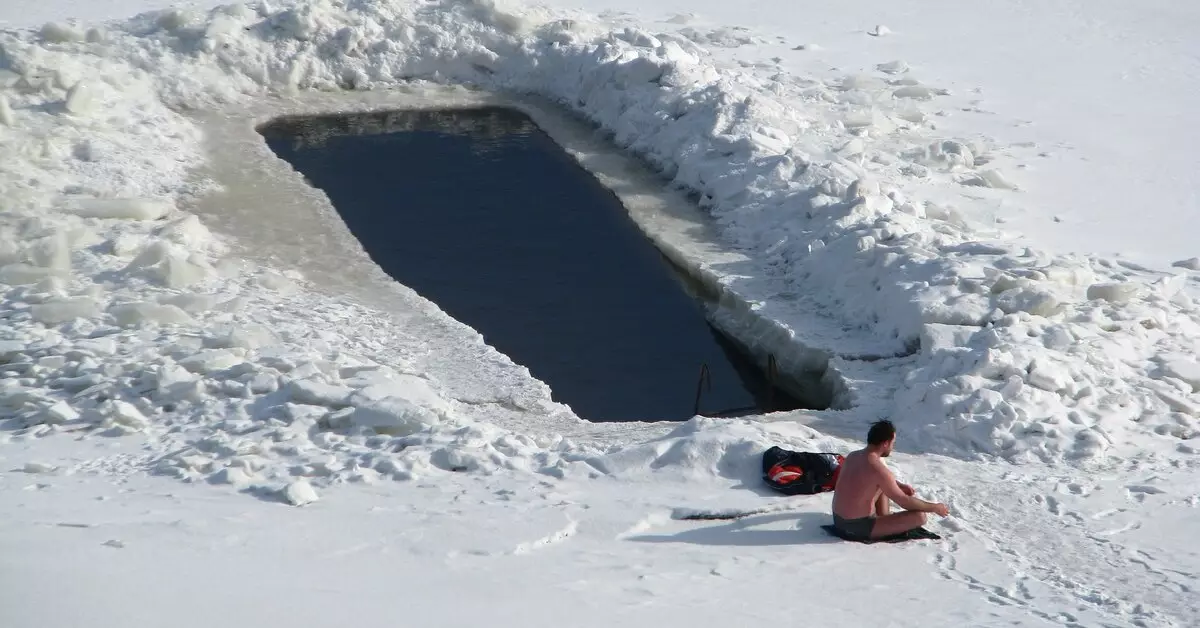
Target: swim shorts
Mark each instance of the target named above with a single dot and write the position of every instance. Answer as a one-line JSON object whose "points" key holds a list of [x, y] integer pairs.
{"points": [[858, 528]]}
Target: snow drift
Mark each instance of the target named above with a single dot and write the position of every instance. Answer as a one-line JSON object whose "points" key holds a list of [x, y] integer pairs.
{"points": [[118, 321]]}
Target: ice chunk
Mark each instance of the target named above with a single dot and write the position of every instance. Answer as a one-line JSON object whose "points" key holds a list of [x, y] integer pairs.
{"points": [[179, 272], [673, 52], [58, 33], [638, 37], [53, 251], [1169, 285], [144, 312], [154, 253], [49, 287], [853, 147], [915, 92], [264, 383], [195, 462], [859, 82], [1090, 442], [1184, 369], [638, 71], [52, 362], [170, 266], [223, 26], [395, 416], [189, 232], [248, 337], [912, 114], [121, 208], [76, 384], [862, 188], [939, 337], [880, 31], [893, 67], [1049, 377], [977, 179], [98, 346], [191, 302], [39, 467], [1114, 292], [126, 244], [126, 414], [859, 119], [6, 112], [176, 19], [305, 371], [1057, 338], [300, 493], [65, 310], [1032, 300], [236, 476], [995, 179], [210, 361], [1191, 263], [948, 152], [1178, 403], [175, 383], [170, 374], [25, 274], [81, 98], [10, 347], [313, 393], [378, 385], [56, 413]]}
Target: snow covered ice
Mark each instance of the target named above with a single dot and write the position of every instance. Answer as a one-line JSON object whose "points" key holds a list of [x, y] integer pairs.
{"points": [[192, 342]]}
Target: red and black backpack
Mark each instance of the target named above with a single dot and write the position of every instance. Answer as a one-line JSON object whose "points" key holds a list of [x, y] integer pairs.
{"points": [[800, 472]]}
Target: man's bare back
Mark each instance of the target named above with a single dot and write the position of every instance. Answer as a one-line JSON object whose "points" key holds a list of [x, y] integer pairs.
{"points": [[866, 487], [858, 485]]}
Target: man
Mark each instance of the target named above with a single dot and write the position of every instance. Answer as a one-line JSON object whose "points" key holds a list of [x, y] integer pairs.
{"points": [[861, 506]]}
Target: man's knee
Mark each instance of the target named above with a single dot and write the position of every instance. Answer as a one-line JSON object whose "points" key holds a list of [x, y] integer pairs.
{"points": [[922, 518]]}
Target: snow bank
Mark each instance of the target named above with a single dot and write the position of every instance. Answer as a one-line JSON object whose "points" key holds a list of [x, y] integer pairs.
{"points": [[706, 448], [131, 209], [122, 322]]}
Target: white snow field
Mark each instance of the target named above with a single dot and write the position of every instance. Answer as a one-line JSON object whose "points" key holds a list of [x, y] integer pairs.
{"points": [[215, 409]]}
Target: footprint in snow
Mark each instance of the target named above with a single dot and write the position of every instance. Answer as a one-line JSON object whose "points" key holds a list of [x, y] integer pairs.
{"points": [[1108, 513], [1138, 492], [1077, 489], [952, 524], [1136, 525]]}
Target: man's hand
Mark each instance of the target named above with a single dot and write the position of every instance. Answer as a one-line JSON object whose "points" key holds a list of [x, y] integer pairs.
{"points": [[941, 510], [908, 490]]}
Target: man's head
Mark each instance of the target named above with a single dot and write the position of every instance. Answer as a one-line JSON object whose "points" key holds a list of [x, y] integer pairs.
{"points": [[882, 437]]}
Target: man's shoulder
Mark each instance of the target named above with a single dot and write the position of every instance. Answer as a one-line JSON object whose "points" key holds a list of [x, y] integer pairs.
{"points": [[878, 464]]}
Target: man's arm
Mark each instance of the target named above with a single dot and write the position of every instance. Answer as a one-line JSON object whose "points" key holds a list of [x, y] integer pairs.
{"points": [[891, 489]]}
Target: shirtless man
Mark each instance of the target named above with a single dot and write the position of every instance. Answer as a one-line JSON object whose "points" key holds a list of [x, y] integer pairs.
{"points": [[865, 485]]}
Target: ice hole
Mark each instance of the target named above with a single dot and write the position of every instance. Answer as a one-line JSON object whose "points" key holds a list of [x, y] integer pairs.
{"points": [[481, 212]]}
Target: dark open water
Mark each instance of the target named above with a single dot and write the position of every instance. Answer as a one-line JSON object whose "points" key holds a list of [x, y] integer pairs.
{"points": [[482, 213]]}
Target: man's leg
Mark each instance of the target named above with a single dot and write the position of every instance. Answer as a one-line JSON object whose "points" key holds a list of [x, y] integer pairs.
{"points": [[883, 505], [898, 523]]}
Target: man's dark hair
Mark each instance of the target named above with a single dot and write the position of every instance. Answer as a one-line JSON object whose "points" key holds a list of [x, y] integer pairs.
{"points": [[881, 432]]}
